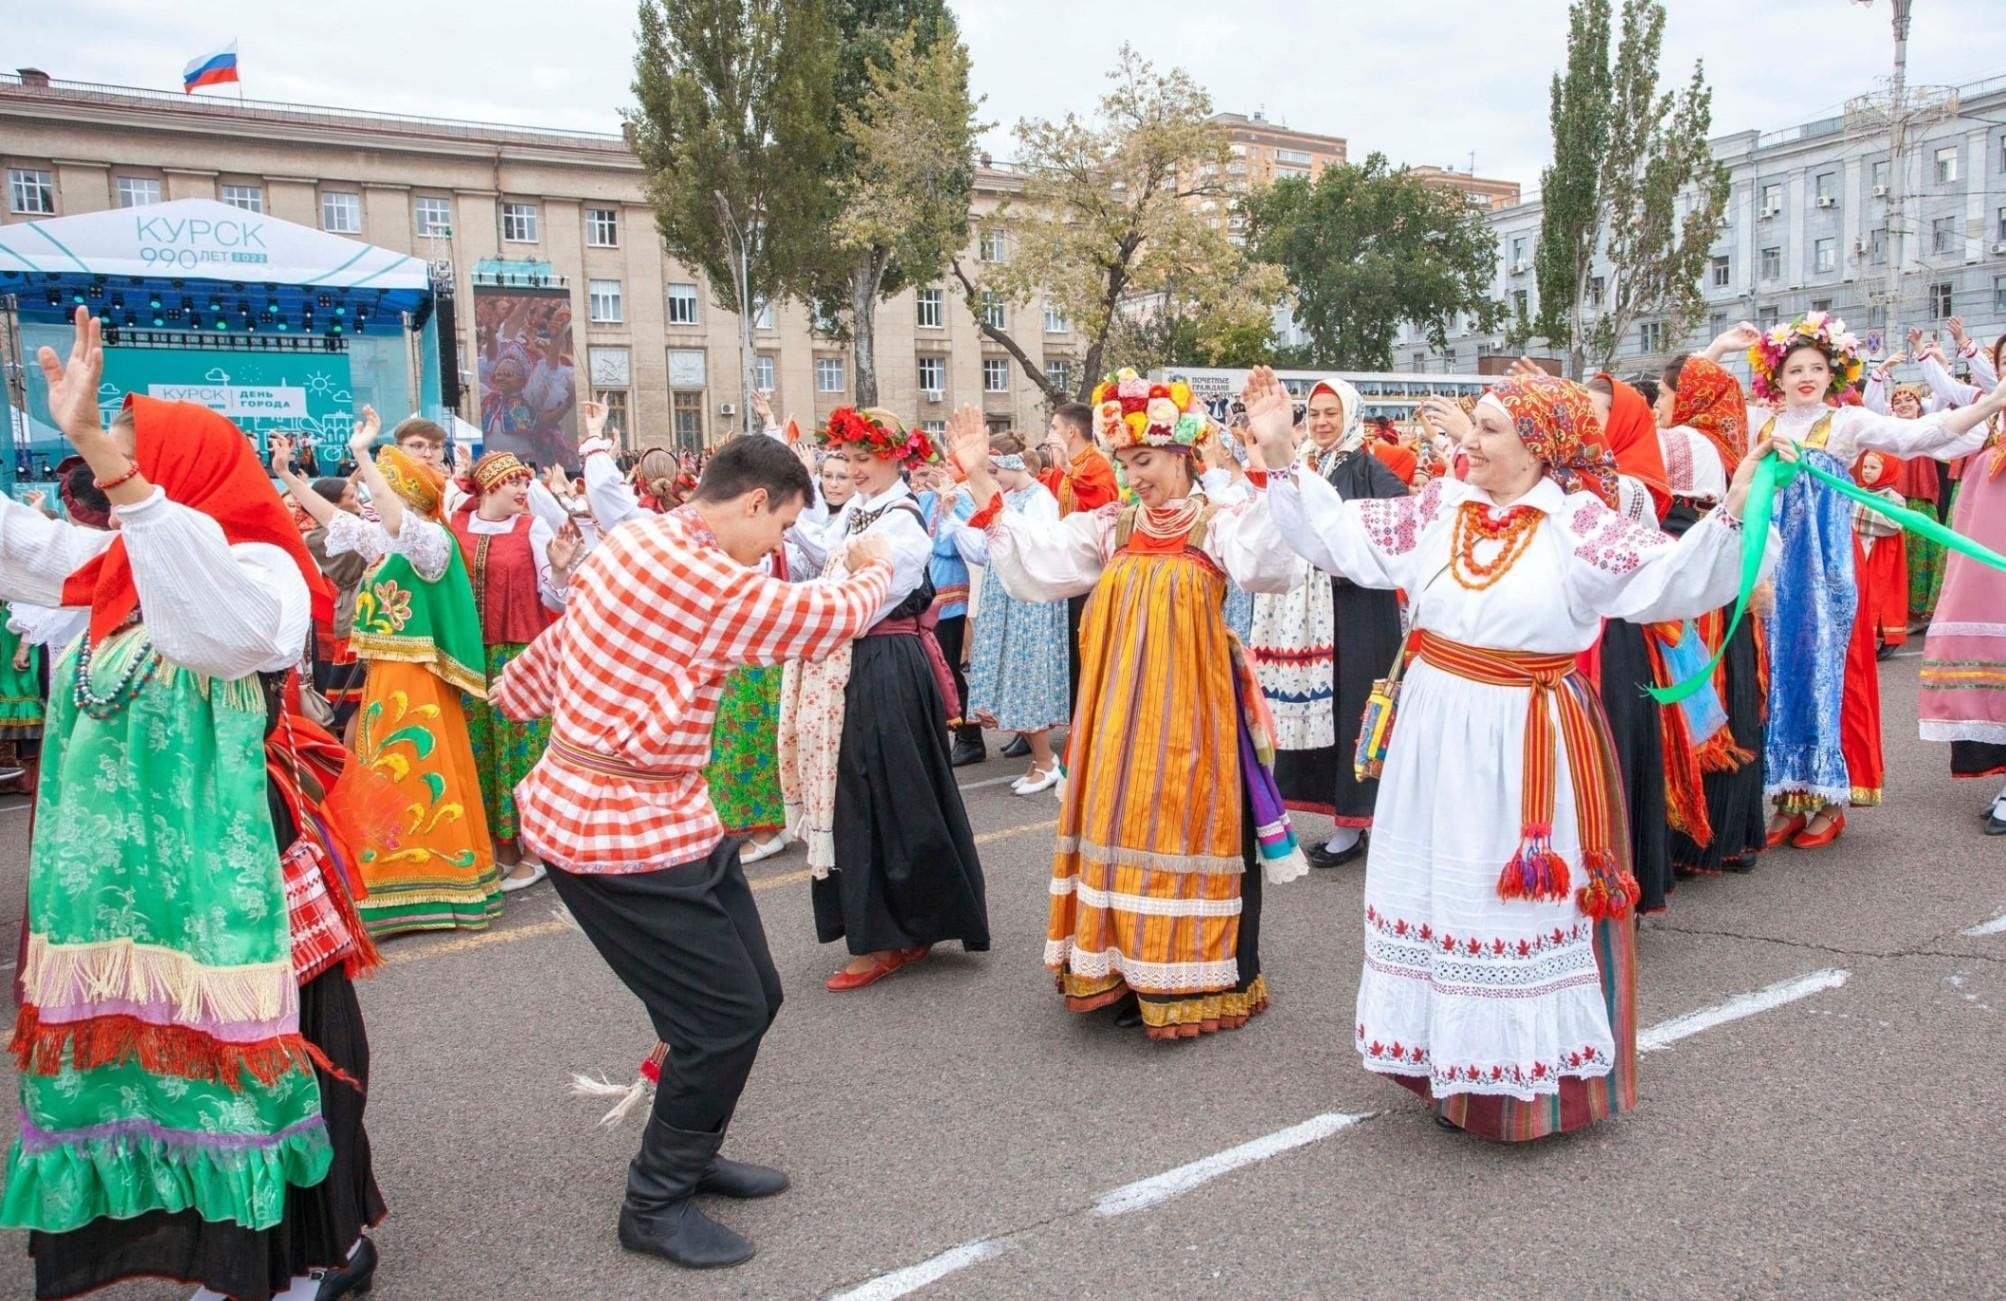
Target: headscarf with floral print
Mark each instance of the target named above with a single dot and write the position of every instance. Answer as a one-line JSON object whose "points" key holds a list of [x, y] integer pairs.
{"points": [[1710, 400], [1556, 421]]}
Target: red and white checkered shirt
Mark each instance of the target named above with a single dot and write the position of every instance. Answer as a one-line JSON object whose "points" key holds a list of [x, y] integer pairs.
{"points": [[631, 675]]}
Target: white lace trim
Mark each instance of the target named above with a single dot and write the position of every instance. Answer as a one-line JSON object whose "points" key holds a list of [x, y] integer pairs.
{"points": [[1442, 1088], [1933, 729], [1143, 905], [1121, 856], [1941, 629], [1167, 977]]}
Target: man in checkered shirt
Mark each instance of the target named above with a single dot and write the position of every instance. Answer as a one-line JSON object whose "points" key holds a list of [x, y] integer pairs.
{"points": [[618, 808]]}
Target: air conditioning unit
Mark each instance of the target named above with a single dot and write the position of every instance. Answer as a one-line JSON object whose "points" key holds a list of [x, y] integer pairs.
{"points": [[1828, 201], [726, 409], [933, 395], [1999, 248], [1859, 246], [1880, 191], [1772, 210], [1519, 268]]}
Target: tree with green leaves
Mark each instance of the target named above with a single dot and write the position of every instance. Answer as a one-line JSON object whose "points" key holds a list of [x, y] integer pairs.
{"points": [[902, 191], [1367, 248], [1109, 227], [1623, 155], [735, 100]]}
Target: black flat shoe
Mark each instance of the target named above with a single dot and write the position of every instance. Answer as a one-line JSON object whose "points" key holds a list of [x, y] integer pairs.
{"points": [[968, 751], [1444, 1122], [1321, 855], [353, 1279], [1016, 748], [1130, 1015], [1995, 826]]}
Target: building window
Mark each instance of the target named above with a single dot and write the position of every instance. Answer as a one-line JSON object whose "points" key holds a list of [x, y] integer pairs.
{"points": [[1651, 335], [519, 224], [762, 316], [762, 372], [2002, 225], [1877, 247], [1939, 299], [995, 245], [929, 309], [251, 198], [1946, 165], [1518, 303], [1297, 156], [1765, 317], [1821, 304], [1999, 293], [1420, 362], [1720, 267], [828, 374], [686, 409], [1772, 200], [934, 426], [435, 217], [1880, 176], [1826, 185], [1518, 253], [995, 375], [1716, 323], [1059, 374], [1772, 264], [30, 191], [1596, 285], [933, 374], [137, 191], [616, 412], [1943, 237], [994, 314], [1825, 254], [682, 304], [341, 212], [602, 227], [2002, 153], [1055, 319], [1877, 317], [602, 301]]}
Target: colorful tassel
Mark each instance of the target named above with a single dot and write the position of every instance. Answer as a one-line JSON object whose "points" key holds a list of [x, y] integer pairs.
{"points": [[1535, 871]]}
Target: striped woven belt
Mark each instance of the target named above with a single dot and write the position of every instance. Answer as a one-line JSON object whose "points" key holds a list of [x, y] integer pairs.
{"points": [[1536, 871], [607, 766]]}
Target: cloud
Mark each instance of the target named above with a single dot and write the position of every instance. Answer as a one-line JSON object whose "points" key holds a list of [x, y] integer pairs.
{"points": [[1431, 84]]}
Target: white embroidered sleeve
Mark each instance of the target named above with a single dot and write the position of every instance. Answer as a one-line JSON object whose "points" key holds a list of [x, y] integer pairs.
{"points": [[226, 611], [1371, 541], [37, 553], [1051, 559], [1620, 569]]}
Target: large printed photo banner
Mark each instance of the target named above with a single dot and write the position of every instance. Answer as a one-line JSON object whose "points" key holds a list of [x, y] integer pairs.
{"points": [[528, 378]]}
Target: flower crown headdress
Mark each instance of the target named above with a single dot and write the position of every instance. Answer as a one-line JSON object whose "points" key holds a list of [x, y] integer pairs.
{"points": [[881, 433], [1130, 411], [1820, 330]]}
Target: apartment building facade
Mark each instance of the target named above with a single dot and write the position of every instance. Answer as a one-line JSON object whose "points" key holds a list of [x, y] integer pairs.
{"points": [[513, 206]]}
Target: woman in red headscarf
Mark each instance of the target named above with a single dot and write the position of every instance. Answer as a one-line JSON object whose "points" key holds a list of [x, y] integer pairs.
{"points": [[191, 1055], [1499, 946]]}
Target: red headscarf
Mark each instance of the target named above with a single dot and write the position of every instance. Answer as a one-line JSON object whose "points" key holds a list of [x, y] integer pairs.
{"points": [[1710, 400], [1631, 435], [204, 462], [1556, 422], [1890, 468]]}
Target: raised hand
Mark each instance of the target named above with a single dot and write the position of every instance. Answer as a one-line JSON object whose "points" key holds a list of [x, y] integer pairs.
{"points": [[1744, 474], [595, 419], [1739, 338], [463, 460], [865, 548], [1526, 368], [968, 441], [762, 408], [563, 549], [37, 499], [1270, 416], [281, 446], [364, 437], [1443, 414], [73, 381], [1956, 324]]}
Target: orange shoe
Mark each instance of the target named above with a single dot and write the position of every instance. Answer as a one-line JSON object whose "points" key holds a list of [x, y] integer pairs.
{"points": [[1788, 831], [1819, 839], [846, 980]]}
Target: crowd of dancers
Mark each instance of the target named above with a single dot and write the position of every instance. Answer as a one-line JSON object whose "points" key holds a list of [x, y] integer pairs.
{"points": [[1536, 662]]}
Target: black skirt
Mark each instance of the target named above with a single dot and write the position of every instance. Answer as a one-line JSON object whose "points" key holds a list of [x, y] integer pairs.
{"points": [[1735, 808], [321, 1223], [1977, 759], [906, 871], [1636, 731]]}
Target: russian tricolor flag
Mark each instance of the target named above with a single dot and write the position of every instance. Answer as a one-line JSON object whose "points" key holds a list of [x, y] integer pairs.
{"points": [[210, 69]]}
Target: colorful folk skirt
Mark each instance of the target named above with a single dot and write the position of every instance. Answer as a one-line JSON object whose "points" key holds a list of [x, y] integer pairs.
{"points": [[504, 750], [1809, 634], [744, 769], [438, 871], [20, 689]]}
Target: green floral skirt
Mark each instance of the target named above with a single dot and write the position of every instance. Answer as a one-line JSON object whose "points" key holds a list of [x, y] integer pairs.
{"points": [[504, 750], [744, 769]]}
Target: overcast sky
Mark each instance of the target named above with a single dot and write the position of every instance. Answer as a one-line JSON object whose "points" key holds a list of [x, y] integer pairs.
{"points": [[1427, 83]]}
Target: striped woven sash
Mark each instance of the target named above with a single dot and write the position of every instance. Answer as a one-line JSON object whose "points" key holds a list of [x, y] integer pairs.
{"points": [[606, 765], [1536, 871]]}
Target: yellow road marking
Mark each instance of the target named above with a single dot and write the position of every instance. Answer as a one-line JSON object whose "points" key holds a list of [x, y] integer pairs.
{"points": [[537, 930]]}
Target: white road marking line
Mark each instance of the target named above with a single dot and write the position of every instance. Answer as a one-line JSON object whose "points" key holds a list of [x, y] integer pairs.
{"points": [[1993, 927], [1145, 1193], [992, 781], [1666, 1033], [885, 1287]]}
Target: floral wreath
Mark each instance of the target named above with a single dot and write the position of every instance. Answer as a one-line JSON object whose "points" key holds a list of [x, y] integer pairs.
{"points": [[880, 433], [1820, 330], [1130, 411]]}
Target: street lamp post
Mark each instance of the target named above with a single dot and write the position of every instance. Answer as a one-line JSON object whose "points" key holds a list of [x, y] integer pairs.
{"points": [[746, 379]]}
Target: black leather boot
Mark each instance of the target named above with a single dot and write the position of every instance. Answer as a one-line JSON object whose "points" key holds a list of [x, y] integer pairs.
{"points": [[968, 747], [729, 1178], [659, 1216]]}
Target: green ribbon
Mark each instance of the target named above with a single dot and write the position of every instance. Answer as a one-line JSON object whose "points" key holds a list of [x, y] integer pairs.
{"points": [[1772, 473]]}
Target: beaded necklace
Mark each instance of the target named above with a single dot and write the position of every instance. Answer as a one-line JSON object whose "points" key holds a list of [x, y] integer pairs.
{"points": [[106, 707], [1169, 523], [1512, 531]]}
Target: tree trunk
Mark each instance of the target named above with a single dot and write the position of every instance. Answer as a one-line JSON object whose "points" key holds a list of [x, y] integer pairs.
{"points": [[864, 281], [748, 382]]}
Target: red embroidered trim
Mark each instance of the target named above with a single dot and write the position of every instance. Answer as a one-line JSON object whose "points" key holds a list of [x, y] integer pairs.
{"points": [[1474, 946]]}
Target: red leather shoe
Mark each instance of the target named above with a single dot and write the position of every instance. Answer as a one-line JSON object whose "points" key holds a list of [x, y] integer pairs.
{"points": [[909, 956], [1788, 831], [1819, 839], [846, 979]]}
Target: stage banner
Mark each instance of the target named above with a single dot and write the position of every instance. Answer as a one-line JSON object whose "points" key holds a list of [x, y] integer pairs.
{"points": [[528, 390], [303, 394]]}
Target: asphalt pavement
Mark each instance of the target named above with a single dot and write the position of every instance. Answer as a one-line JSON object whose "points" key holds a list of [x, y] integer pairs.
{"points": [[1820, 1115]]}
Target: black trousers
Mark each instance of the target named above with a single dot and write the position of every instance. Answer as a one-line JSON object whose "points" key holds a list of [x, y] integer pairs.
{"points": [[687, 941], [952, 634]]}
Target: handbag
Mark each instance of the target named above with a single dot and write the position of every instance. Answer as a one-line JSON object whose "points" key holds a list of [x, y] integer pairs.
{"points": [[1382, 706]]}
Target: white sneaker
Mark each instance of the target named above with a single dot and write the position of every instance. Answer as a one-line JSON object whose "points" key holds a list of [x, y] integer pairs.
{"points": [[753, 851], [1035, 782], [511, 884]]}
